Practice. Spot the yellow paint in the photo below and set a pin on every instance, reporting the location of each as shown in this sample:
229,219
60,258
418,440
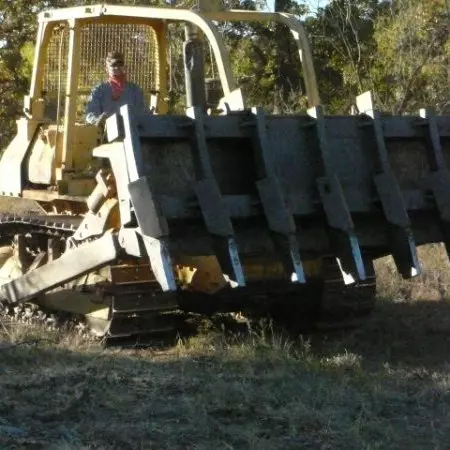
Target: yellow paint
203,273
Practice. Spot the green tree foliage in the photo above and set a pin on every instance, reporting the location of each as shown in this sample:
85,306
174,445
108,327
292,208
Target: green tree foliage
398,49
344,47
412,69
266,61
17,25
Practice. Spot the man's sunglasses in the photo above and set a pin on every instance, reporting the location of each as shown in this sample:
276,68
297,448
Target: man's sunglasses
117,64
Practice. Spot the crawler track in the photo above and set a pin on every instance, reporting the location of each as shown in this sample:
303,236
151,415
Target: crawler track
134,307
141,308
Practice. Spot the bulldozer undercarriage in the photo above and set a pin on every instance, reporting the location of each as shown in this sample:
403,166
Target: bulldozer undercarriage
124,300
109,301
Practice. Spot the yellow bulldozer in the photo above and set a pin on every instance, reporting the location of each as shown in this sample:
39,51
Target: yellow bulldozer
222,207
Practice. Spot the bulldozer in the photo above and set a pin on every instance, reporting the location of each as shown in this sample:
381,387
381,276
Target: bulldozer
220,207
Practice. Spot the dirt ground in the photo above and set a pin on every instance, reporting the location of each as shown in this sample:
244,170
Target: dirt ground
384,385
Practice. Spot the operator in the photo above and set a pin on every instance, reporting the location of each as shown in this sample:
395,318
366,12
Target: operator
107,97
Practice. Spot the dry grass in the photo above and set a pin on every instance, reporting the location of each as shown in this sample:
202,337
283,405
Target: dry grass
433,284
385,385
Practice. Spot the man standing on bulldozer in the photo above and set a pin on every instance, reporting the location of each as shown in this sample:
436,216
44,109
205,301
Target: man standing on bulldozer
107,97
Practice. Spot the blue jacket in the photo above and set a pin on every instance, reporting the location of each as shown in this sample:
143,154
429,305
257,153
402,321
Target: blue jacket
101,101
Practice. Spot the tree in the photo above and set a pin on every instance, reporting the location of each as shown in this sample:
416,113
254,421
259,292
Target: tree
266,62
413,65
17,24
344,47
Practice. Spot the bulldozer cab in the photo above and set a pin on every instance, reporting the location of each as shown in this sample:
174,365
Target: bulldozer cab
71,48
140,47
72,45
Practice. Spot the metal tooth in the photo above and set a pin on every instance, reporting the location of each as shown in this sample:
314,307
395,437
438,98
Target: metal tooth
219,225
212,205
152,223
349,264
283,228
343,238
400,235
280,220
342,233
404,252
227,254
291,258
439,177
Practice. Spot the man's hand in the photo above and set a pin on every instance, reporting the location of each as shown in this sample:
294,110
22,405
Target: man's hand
101,119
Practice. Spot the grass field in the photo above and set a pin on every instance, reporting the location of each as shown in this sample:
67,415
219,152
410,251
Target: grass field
384,385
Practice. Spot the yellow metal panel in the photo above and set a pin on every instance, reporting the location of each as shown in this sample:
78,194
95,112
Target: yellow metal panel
71,94
41,163
200,274
43,36
162,104
80,186
47,152
11,178
309,74
87,137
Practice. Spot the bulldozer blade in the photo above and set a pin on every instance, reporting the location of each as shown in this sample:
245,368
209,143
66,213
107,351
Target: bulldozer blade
400,236
279,218
160,262
213,208
341,229
219,225
328,188
342,232
226,251
69,266
283,228
153,227
439,177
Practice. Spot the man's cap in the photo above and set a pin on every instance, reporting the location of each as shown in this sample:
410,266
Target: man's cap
114,56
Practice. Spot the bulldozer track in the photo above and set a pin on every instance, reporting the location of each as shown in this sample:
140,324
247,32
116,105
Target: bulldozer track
131,312
11,225
141,308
